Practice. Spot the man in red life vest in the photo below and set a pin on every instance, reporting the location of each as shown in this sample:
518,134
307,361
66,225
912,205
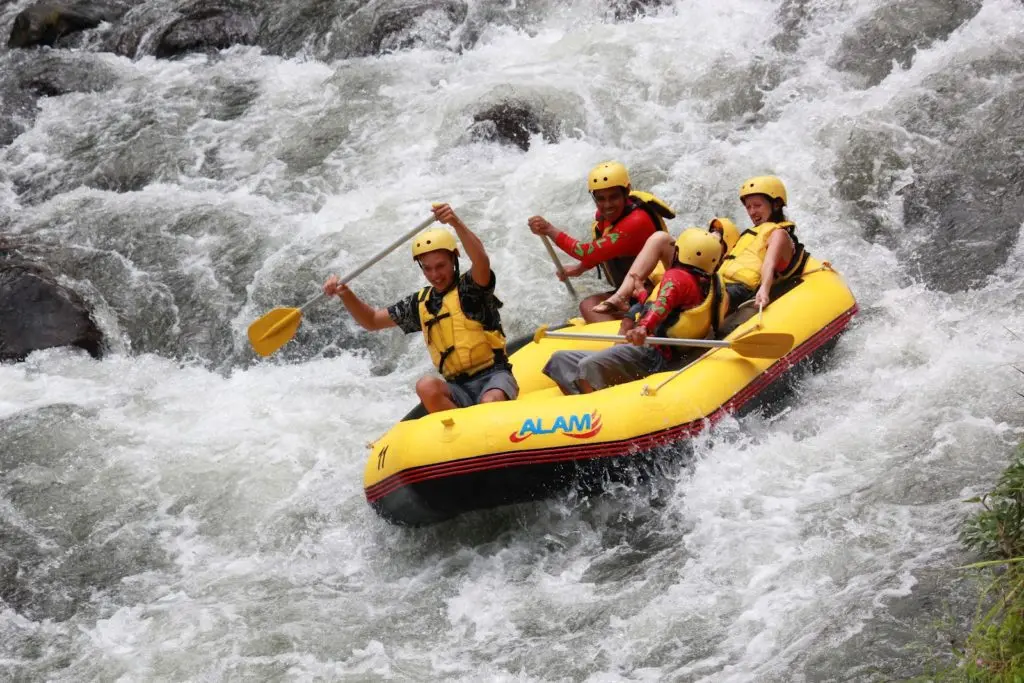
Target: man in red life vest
624,220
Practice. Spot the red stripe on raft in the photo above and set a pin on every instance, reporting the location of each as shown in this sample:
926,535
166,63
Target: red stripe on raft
613,448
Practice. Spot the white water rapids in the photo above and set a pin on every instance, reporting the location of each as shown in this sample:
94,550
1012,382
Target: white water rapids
178,511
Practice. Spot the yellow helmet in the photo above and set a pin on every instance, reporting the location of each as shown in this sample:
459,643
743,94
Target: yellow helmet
432,240
764,184
700,249
727,229
608,174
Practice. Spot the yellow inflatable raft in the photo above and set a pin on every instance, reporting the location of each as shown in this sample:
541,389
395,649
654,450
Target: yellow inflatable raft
431,467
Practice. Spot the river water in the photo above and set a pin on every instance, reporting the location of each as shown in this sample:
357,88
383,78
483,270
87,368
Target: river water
182,511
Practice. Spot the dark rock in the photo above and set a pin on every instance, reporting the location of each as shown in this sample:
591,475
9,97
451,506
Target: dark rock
38,313
512,122
388,25
193,26
210,28
287,28
57,73
968,196
47,23
894,32
626,10
17,106
954,164
511,115
127,36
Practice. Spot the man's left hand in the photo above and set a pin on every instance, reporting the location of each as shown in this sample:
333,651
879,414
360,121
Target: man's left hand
637,335
762,296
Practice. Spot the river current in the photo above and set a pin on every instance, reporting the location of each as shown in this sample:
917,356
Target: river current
183,511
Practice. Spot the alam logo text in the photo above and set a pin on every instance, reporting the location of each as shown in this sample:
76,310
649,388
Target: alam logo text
575,426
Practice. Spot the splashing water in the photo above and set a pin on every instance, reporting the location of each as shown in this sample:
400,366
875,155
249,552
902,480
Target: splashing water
179,511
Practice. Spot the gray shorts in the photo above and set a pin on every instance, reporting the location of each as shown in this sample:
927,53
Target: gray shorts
619,364
468,393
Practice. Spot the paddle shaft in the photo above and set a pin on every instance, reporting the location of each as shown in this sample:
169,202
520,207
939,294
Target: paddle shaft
661,341
376,257
559,266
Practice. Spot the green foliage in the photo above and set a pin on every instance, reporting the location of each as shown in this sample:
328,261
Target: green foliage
994,650
997,532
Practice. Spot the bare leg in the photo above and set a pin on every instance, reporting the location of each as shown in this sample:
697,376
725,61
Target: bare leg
584,386
592,316
433,392
658,247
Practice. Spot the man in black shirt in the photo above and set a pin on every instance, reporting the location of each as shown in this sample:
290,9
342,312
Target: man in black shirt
458,316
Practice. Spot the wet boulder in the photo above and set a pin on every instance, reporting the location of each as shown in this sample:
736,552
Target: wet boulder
36,312
509,122
953,166
17,106
194,26
59,72
626,10
894,32
47,23
388,25
511,115
206,28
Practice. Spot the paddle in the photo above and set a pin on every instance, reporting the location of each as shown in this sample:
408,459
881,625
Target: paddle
558,266
275,329
758,345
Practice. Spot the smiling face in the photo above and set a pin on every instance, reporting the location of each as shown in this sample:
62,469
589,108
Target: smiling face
759,208
439,268
611,202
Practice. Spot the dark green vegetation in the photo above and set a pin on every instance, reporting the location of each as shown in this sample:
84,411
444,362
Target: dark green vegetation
994,648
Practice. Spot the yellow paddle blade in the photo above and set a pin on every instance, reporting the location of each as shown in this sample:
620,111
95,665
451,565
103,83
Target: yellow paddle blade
763,345
274,330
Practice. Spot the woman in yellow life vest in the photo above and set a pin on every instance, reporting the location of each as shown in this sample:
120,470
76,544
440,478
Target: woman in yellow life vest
457,315
767,253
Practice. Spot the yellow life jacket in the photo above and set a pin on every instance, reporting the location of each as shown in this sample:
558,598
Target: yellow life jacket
459,346
615,269
696,322
744,261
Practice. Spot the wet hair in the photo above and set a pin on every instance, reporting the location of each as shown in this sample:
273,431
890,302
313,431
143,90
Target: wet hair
778,212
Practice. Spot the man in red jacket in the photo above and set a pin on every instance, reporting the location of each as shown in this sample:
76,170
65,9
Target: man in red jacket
624,221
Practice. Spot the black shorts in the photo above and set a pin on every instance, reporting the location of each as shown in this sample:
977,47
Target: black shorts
738,293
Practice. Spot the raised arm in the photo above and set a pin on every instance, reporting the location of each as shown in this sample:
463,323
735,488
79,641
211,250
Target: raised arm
481,262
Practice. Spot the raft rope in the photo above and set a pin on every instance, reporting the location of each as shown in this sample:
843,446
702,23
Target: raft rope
825,265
